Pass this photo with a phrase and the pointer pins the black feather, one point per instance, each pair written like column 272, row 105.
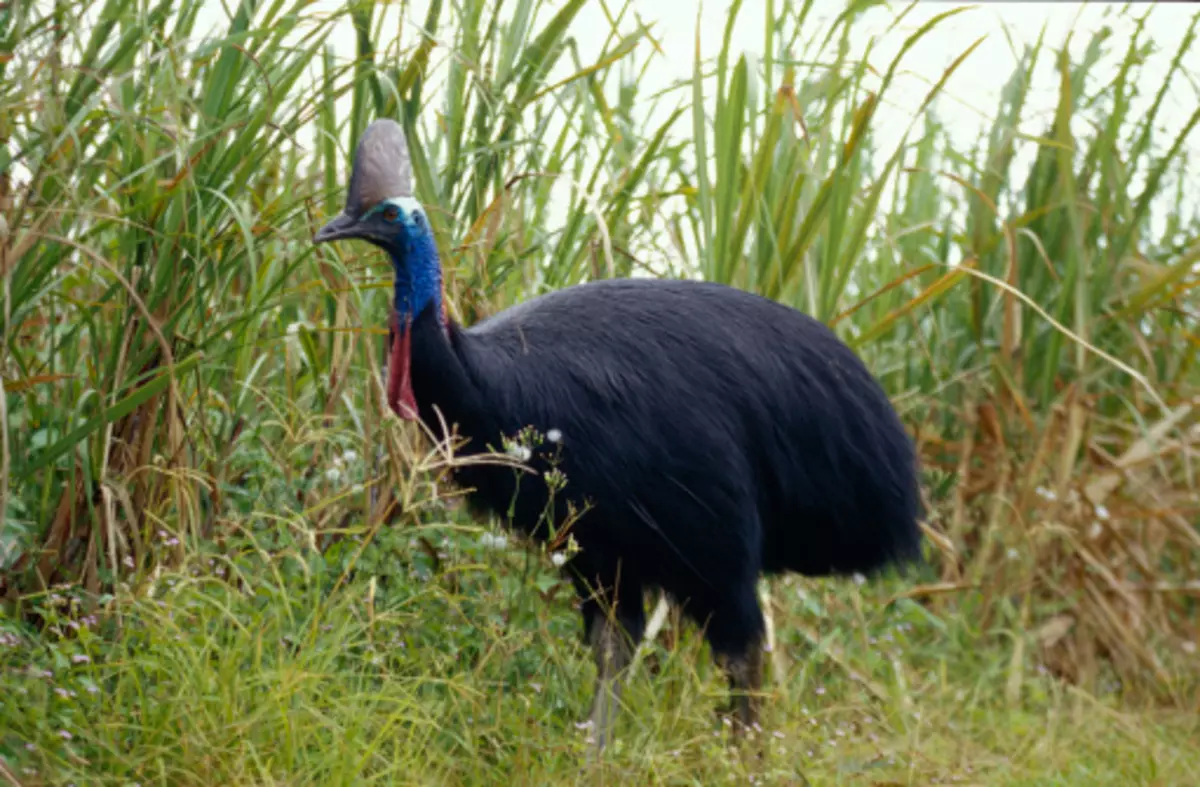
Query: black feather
column 715, row 435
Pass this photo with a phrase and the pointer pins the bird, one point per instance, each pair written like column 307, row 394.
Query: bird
column 701, row 436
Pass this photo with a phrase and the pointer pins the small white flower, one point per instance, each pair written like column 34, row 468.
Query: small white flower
column 493, row 541
column 554, row 436
column 519, row 452
column 1102, row 511
column 357, row 489
column 859, row 579
column 1046, row 493
column 1013, row 554
column 293, row 329
column 1189, row 647
column 558, row 559
column 333, row 474
column 349, row 456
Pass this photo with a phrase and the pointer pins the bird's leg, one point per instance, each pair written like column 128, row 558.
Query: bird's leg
column 735, row 632
column 613, row 651
column 745, row 671
column 614, row 619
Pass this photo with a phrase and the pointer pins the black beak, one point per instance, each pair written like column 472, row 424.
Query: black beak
column 342, row 226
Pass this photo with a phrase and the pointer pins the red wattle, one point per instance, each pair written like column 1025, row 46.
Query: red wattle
column 399, row 388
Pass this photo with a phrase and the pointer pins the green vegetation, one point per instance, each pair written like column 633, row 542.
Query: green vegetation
column 222, row 562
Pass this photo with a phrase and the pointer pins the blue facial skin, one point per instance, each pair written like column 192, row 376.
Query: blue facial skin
column 408, row 240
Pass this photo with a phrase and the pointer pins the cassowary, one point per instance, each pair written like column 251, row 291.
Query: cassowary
column 707, row 435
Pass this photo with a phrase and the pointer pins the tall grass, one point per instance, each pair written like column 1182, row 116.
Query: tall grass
column 185, row 375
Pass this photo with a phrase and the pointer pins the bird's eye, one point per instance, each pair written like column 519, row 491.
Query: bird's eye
column 418, row 219
column 391, row 213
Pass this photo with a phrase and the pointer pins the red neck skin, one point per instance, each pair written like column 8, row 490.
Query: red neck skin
column 399, row 386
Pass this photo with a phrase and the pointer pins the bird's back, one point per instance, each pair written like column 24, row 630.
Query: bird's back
column 696, row 409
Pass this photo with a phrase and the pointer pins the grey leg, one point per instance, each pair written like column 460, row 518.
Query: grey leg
column 745, row 672
column 613, row 651
column 735, row 631
column 614, row 618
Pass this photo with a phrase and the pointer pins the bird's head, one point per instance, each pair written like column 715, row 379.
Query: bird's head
column 381, row 210
column 380, row 207
column 396, row 224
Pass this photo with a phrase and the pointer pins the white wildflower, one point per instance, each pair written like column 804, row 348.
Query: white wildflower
column 349, row 456
column 558, row 559
column 1013, row 554
column 333, row 474
column 520, row 452
column 1102, row 511
column 493, row 541
column 554, row 436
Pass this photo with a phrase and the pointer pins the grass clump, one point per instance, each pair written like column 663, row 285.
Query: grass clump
column 265, row 671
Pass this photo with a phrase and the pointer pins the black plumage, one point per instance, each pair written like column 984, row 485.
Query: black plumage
column 708, row 434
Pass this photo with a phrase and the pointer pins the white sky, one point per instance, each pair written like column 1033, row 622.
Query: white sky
column 969, row 99
column 975, row 85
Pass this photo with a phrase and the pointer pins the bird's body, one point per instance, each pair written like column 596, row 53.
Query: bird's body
column 707, row 426
column 706, row 435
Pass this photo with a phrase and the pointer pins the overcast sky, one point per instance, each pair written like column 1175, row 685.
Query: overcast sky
column 971, row 96
column 973, row 89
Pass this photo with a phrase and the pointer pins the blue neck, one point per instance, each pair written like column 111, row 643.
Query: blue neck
column 418, row 277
